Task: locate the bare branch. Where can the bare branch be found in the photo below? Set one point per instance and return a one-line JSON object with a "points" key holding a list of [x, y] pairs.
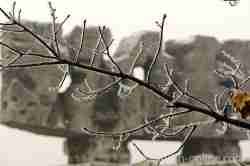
{"points": [[13, 9], [121, 140], [138, 55], [6, 24], [19, 15], [160, 131], [243, 83], [29, 65], [158, 50], [217, 103], [185, 91], [125, 90], [134, 130], [62, 23], [54, 31], [25, 53], [187, 137], [101, 32], [65, 77], [81, 43], [12, 30], [93, 93], [92, 60], [142, 153], [5, 14]]}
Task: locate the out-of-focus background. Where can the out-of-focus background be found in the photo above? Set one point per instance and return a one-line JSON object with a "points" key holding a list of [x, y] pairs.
{"points": [[184, 19]]}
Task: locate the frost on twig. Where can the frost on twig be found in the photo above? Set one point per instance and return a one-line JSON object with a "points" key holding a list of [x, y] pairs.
{"points": [[160, 159], [125, 90], [88, 93], [117, 142], [237, 98], [231, 74], [157, 54], [223, 129]]}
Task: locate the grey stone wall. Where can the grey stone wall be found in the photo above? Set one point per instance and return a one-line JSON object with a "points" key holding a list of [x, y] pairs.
{"points": [[27, 104], [24, 98]]}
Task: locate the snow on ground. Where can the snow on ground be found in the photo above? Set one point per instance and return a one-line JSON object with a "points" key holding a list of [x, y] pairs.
{"points": [[23, 148]]}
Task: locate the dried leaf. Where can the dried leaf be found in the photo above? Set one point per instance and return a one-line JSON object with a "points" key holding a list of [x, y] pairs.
{"points": [[240, 101]]}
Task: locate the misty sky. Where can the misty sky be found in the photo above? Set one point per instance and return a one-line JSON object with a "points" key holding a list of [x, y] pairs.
{"points": [[184, 18]]}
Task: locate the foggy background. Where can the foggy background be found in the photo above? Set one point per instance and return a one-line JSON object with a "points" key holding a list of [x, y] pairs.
{"points": [[184, 19]]}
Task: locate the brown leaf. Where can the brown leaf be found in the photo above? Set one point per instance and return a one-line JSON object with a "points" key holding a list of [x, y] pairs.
{"points": [[240, 101]]}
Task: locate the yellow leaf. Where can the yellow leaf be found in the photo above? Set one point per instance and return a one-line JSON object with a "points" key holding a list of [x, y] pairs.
{"points": [[240, 101]]}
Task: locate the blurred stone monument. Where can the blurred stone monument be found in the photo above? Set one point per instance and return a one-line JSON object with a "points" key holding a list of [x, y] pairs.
{"points": [[25, 100], [197, 61], [28, 102]]}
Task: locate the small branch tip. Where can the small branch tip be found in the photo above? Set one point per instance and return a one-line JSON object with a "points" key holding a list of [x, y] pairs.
{"points": [[164, 16]]}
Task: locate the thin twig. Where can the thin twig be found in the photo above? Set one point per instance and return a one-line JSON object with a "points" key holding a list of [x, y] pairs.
{"points": [[14, 60], [62, 23], [162, 133], [25, 53], [96, 52], [101, 32], [26, 29], [142, 153], [134, 130], [54, 30], [6, 24], [243, 83], [100, 90], [13, 9], [81, 42], [19, 15], [29, 65], [158, 50], [187, 137], [12, 30], [92, 60], [185, 91], [176, 129], [66, 75], [138, 55], [92, 94]]}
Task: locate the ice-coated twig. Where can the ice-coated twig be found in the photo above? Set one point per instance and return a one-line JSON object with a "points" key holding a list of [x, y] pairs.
{"points": [[121, 140], [125, 90], [136, 129], [101, 32], [54, 30], [148, 75], [93, 56], [187, 137], [223, 130], [62, 23], [76, 57], [82, 95], [138, 55], [243, 83], [185, 91]]}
